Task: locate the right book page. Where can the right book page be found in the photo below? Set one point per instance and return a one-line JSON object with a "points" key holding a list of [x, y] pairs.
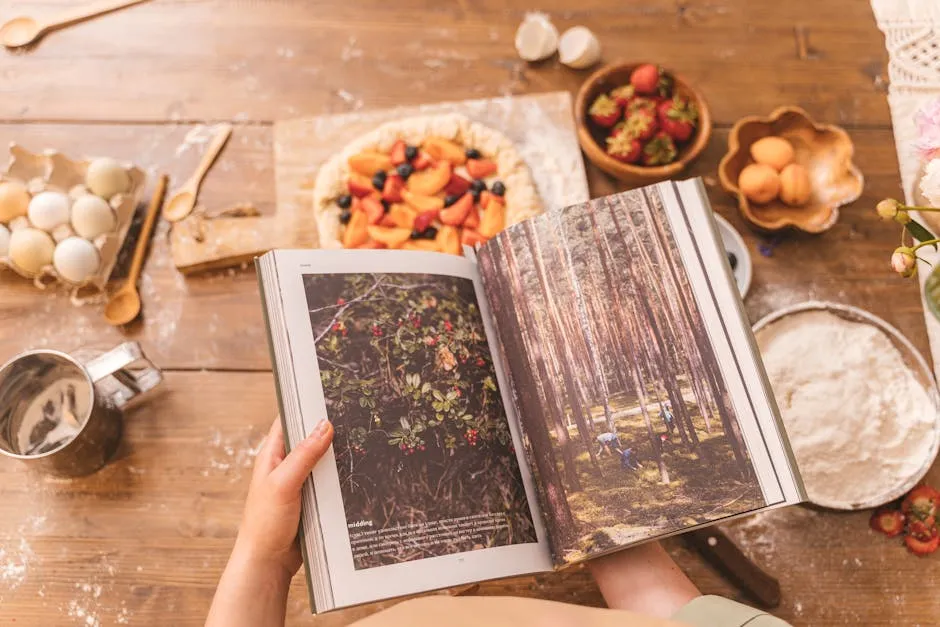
{"points": [[645, 406]]}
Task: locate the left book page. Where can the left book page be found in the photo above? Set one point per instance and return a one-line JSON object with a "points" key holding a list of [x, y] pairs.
{"points": [[423, 487]]}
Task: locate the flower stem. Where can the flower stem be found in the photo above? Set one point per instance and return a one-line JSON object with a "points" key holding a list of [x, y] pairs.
{"points": [[930, 242], [913, 208]]}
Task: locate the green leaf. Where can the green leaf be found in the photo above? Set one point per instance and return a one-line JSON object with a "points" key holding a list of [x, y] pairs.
{"points": [[362, 401], [918, 232]]}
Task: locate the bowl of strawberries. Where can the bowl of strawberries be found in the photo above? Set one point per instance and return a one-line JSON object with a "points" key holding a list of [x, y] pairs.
{"points": [[641, 123]]}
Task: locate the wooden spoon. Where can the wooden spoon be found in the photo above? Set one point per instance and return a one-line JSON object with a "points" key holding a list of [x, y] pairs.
{"points": [[125, 303], [24, 30], [181, 204]]}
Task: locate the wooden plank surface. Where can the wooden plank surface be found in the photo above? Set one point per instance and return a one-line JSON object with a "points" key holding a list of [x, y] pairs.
{"points": [[146, 538]]}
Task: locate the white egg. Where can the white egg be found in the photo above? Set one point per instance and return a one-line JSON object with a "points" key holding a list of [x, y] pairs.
{"points": [[31, 249], [76, 259], [14, 200], [92, 216], [48, 210], [4, 241], [106, 178]]}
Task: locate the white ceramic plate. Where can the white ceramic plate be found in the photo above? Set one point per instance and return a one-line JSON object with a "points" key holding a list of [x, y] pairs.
{"points": [[914, 361], [734, 245]]}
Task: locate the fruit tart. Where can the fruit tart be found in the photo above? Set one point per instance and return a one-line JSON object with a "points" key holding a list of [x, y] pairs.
{"points": [[431, 183]]}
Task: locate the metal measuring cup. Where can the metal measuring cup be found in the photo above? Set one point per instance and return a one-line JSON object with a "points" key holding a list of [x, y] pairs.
{"points": [[63, 414]]}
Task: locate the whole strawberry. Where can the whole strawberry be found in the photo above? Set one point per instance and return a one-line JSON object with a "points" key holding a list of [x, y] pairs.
{"points": [[677, 118], [660, 150], [623, 95], [624, 148], [605, 111], [641, 104], [639, 125], [645, 79]]}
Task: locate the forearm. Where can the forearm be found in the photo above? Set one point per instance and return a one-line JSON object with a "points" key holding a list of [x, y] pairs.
{"points": [[251, 593], [643, 580]]}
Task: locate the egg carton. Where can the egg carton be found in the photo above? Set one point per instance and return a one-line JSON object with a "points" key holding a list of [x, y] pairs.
{"points": [[54, 171]]}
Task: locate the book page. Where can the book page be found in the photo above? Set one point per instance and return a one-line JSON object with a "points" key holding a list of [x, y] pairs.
{"points": [[423, 487], [632, 397]]}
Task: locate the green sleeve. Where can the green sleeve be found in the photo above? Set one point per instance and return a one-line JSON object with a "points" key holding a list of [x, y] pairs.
{"points": [[714, 611]]}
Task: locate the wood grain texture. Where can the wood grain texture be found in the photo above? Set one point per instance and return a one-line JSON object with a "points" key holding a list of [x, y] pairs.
{"points": [[275, 59], [147, 537]]}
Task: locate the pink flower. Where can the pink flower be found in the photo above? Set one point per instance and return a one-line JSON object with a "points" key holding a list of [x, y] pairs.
{"points": [[928, 130], [903, 261]]}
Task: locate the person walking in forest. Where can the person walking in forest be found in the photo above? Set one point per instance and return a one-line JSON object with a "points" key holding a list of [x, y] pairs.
{"points": [[665, 412], [608, 442], [642, 586]]}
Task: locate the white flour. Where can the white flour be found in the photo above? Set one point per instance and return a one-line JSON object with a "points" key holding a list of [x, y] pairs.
{"points": [[859, 421]]}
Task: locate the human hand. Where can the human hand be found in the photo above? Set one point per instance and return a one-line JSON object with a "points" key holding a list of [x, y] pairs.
{"points": [[268, 532]]}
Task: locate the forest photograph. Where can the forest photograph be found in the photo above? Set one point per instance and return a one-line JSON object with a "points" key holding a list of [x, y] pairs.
{"points": [[628, 423], [423, 449]]}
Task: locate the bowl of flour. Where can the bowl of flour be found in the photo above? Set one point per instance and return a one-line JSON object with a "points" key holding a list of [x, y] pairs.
{"points": [[860, 404]]}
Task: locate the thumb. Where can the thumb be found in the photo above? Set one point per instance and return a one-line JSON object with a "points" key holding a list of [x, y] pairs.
{"points": [[290, 474]]}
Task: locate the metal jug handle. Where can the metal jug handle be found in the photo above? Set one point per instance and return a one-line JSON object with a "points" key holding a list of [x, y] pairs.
{"points": [[123, 373]]}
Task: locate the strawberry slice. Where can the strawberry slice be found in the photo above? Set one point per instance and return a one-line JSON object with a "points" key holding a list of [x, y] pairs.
{"points": [[398, 153], [424, 220], [921, 502], [923, 544], [888, 521], [458, 212], [480, 168], [373, 209], [392, 189], [359, 185], [623, 95], [469, 237], [472, 220], [421, 162], [457, 186]]}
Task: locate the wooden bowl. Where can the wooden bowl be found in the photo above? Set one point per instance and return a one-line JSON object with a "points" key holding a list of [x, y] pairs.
{"points": [[592, 138], [824, 150]]}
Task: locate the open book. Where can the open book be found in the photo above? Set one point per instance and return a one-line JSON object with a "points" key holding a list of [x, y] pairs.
{"points": [[585, 381]]}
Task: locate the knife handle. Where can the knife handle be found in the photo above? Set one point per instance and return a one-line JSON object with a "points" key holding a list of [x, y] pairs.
{"points": [[719, 550]]}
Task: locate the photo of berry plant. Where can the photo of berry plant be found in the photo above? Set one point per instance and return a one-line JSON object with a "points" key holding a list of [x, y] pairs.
{"points": [[422, 443]]}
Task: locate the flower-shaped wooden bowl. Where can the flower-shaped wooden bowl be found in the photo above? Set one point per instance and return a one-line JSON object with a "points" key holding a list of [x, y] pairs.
{"points": [[824, 150], [592, 139]]}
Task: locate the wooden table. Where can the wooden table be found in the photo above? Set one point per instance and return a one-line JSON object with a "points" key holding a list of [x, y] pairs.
{"points": [[143, 541]]}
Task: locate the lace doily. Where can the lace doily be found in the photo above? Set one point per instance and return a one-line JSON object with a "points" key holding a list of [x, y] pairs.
{"points": [[912, 36]]}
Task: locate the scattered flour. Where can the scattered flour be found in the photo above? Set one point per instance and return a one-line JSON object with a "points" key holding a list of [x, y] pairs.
{"points": [[860, 423], [230, 455]]}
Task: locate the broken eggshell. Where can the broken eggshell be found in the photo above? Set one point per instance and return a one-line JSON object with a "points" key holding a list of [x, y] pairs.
{"points": [[579, 48], [536, 37]]}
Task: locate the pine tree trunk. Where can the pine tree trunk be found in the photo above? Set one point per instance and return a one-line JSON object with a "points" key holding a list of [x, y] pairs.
{"points": [[543, 452]]}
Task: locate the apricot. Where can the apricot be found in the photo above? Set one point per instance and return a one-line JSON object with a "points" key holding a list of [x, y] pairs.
{"points": [[759, 182], [773, 151], [795, 186]]}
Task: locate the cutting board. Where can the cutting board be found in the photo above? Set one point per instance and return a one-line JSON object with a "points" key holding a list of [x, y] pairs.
{"points": [[541, 126]]}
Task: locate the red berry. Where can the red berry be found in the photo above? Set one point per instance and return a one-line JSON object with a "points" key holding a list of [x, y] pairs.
{"points": [[448, 325], [422, 447], [340, 301], [480, 362]]}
